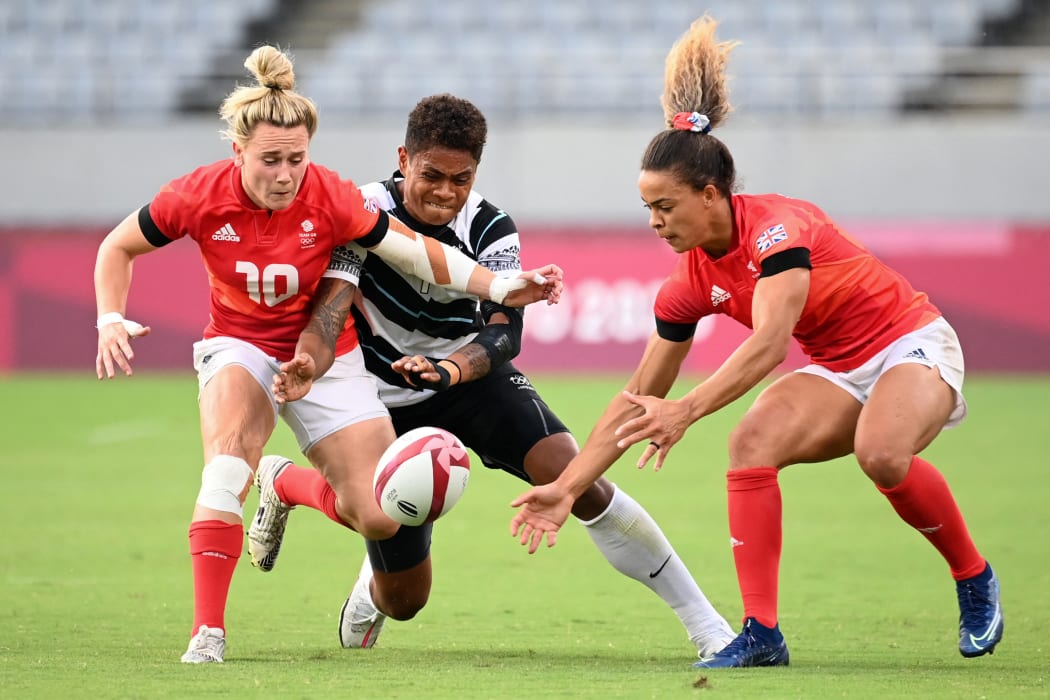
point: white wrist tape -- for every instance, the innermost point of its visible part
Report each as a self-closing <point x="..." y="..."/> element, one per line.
<point x="108" y="318"/>
<point x="427" y="259"/>
<point x="116" y="317"/>
<point x="222" y="482"/>
<point x="502" y="286"/>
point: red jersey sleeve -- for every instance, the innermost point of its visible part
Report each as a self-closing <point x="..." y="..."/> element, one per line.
<point x="677" y="300"/>
<point x="174" y="208"/>
<point x="772" y="227"/>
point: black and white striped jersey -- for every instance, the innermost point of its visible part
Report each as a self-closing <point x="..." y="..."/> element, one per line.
<point x="397" y="314"/>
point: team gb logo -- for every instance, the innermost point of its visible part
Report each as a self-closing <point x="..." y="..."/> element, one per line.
<point x="307" y="237"/>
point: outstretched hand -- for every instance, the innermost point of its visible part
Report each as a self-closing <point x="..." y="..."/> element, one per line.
<point x="663" y="424"/>
<point x="295" y="379"/>
<point x="542" y="284"/>
<point x="544" y="510"/>
<point x="114" y="347"/>
<point x="420" y="371"/>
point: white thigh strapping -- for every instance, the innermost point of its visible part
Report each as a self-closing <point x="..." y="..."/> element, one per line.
<point x="934" y="345"/>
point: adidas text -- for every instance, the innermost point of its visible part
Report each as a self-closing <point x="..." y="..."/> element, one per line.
<point x="226" y="233"/>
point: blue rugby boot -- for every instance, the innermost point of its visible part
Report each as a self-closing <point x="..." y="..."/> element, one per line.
<point x="756" y="645"/>
<point x="980" y="614"/>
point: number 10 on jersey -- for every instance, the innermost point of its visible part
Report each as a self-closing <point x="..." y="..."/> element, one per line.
<point x="263" y="287"/>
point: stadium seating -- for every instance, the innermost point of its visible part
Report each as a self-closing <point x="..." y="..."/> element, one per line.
<point x="74" y="61"/>
<point x="71" y="61"/>
<point x="604" y="57"/>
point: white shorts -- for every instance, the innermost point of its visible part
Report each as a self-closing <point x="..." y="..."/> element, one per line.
<point x="933" y="345"/>
<point x="345" y="395"/>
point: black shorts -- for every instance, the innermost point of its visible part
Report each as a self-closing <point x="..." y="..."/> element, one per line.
<point x="500" y="417"/>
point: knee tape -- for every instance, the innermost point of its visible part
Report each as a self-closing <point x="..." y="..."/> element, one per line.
<point x="223" y="480"/>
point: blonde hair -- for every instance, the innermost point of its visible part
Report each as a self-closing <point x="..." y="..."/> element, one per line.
<point x="272" y="100"/>
<point x="694" y="74"/>
<point x="695" y="92"/>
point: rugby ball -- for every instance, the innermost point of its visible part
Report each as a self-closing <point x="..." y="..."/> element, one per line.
<point x="421" y="476"/>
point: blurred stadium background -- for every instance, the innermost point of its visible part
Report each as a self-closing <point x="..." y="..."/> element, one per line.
<point x="924" y="126"/>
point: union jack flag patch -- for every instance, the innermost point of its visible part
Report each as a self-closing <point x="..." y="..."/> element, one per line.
<point x="771" y="236"/>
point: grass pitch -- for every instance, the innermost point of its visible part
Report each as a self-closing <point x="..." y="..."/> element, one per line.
<point x="95" y="594"/>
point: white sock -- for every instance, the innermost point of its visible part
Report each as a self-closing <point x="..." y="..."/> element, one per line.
<point x="635" y="545"/>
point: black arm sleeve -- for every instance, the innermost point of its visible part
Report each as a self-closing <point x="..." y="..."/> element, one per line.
<point x="372" y="238"/>
<point x="150" y="230"/>
<point x="502" y="341"/>
<point x="489" y="308"/>
<point x="675" y="332"/>
<point x="786" y="260"/>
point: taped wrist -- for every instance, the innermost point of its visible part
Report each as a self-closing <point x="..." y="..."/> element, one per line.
<point x="111" y="317"/>
<point x="500" y="287"/>
<point x="439" y="385"/>
<point x="108" y="318"/>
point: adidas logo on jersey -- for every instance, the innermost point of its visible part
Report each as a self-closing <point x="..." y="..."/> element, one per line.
<point x="718" y="295"/>
<point x="917" y="354"/>
<point x="226" y="233"/>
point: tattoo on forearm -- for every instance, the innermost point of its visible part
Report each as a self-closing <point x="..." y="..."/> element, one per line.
<point x="330" y="315"/>
<point x="477" y="359"/>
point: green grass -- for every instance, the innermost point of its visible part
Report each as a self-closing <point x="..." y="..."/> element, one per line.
<point x="95" y="587"/>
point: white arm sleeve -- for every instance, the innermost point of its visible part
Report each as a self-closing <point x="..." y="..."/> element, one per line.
<point x="426" y="258"/>
<point x="440" y="264"/>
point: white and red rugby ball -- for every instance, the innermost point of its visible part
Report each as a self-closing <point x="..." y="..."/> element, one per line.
<point x="421" y="475"/>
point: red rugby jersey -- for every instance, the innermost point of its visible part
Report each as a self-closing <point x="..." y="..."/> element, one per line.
<point x="263" y="266"/>
<point x="856" y="304"/>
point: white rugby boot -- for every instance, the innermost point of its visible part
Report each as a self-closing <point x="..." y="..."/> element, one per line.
<point x="207" y="646"/>
<point x="267" y="529"/>
<point x="359" y="621"/>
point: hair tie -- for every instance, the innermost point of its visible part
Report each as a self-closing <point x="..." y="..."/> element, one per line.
<point x="691" y="121"/>
<point x="272" y="86"/>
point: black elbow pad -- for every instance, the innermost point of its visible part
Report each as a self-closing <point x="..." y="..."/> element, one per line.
<point x="502" y="341"/>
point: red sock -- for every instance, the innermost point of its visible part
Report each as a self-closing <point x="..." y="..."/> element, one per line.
<point x="299" y="486"/>
<point x="215" y="547"/>
<point x="924" y="501"/>
<point x="756" y="536"/>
